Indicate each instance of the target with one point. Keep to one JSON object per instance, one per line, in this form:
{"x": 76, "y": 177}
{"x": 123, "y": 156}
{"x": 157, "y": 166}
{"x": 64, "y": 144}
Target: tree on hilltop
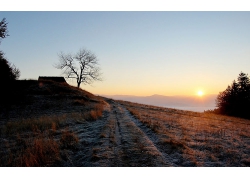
{"x": 83, "y": 66}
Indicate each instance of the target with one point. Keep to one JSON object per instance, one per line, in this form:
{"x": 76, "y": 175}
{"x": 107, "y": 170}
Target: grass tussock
{"x": 68, "y": 139}
{"x": 33, "y": 151}
{"x": 95, "y": 113}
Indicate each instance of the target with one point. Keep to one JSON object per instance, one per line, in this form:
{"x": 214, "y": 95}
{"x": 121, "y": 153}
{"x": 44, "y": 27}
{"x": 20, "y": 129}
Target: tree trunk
{"x": 79, "y": 79}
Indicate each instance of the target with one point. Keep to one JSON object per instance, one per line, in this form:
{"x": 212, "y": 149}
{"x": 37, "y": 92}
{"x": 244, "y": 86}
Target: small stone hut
{"x": 52, "y": 78}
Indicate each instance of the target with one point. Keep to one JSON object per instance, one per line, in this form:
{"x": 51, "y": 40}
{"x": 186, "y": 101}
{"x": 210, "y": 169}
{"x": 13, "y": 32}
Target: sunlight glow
{"x": 200, "y": 93}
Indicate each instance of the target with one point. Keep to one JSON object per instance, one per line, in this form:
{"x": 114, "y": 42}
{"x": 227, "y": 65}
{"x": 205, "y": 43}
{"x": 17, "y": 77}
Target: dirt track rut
{"x": 117, "y": 139}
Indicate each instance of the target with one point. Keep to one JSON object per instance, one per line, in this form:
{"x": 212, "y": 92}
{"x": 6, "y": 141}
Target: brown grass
{"x": 95, "y": 113}
{"x": 31, "y": 142}
{"x": 79, "y": 102}
{"x": 35, "y": 124}
{"x": 203, "y": 138}
{"x": 34, "y": 151}
{"x": 33, "y": 134}
{"x": 68, "y": 139}
{"x": 51, "y": 122}
{"x": 38, "y": 149}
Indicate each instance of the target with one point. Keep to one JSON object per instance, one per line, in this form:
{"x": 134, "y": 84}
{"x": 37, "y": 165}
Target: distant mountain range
{"x": 169, "y": 101}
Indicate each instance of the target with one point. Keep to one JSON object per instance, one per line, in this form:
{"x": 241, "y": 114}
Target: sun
{"x": 200, "y": 93}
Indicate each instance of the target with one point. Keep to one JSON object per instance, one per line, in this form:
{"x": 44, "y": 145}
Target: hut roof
{"x": 52, "y": 78}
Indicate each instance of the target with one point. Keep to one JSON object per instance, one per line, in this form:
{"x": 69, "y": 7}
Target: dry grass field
{"x": 201, "y": 139}
{"x": 35, "y": 132}
{"x": 59, "y": 125}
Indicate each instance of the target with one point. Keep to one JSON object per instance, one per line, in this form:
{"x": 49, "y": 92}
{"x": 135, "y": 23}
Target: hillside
{"x": 54, "y": 124}
{"x": 37, "y": 115}
{"x": 33, "y": 98}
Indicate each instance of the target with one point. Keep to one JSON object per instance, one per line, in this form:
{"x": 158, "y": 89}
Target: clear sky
{"x": 140, "y": 53}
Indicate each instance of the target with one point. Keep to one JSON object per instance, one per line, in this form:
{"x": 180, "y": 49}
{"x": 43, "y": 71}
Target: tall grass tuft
{"x": 68, "y": 139}
{"x": 95, "y": 113}
{"x": 39, "y": 151}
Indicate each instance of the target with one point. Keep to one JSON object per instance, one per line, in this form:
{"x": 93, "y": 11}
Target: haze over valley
{"x": 194, "y": 103}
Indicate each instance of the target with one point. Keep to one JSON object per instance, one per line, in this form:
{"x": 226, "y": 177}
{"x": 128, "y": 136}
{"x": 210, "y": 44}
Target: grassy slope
{"x": 35, "y": 118}
{"x": 203, "y": 139}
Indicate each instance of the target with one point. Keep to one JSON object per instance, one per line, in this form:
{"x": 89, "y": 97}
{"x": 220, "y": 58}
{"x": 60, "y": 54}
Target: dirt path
{"x": 117, "y": 139}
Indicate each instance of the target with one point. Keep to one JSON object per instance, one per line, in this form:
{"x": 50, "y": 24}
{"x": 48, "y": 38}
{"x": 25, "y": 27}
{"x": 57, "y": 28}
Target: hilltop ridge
{"x": 28, "y": 98}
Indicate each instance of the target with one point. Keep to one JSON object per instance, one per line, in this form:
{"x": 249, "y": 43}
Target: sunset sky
{"x": 140, "y": 53}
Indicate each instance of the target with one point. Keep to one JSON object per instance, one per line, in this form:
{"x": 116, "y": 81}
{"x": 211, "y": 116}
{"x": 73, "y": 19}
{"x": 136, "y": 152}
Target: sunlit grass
{"x": 204, "y": 139}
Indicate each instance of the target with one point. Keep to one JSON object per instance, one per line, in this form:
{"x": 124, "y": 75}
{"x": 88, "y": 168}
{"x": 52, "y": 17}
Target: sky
{"x": 139, "y": 53}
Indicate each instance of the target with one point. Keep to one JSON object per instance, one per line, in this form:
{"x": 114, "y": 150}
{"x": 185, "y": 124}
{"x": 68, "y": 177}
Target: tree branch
{"x": 88, "y": 66}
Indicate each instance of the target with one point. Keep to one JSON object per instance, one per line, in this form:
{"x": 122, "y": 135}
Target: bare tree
{"x": 83, "y": 66}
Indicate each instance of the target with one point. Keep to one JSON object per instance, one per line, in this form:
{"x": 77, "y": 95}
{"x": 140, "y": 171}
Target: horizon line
{"x": 156, "y": 95}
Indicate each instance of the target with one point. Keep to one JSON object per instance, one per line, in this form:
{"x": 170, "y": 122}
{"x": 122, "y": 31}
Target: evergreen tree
{"x": 235, "y": 100}
{"x": 244, "y": 85}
